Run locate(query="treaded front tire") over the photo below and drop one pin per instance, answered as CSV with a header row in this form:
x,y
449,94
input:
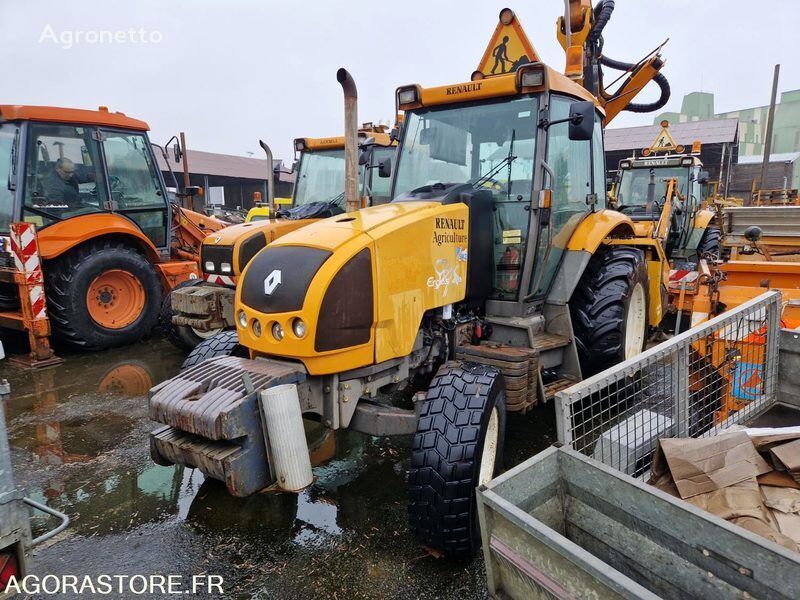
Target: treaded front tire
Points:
x,y
601,305
710,243
225,343
465,401
68,279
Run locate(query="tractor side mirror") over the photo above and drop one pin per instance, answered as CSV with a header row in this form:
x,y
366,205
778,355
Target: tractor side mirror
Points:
x,y
192,190
177,152
385,167
365,157
295,166
581,121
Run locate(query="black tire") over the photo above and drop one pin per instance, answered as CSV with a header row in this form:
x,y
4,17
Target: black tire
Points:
x,y
225,343
184,338
600,305
9,296
710,243
446,456
67,281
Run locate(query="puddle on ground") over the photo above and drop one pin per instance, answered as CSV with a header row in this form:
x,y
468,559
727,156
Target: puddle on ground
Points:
x,y
79,438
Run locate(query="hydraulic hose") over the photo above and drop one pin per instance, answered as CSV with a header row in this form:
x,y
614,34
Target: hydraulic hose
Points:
x,y
602,15
660,80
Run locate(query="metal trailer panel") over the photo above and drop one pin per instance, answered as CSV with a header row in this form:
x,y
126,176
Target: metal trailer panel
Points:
x,y
563,525
789,368
774,221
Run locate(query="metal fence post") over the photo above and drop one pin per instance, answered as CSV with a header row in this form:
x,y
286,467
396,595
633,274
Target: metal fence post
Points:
x,y
680,389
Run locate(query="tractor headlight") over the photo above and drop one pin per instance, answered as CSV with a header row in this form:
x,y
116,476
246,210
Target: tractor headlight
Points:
x,y
277,331
299,327
256,327
532,78
241,317
225,267
210,265
407,95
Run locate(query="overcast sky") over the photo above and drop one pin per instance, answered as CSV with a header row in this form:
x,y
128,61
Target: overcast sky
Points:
x,y
229,72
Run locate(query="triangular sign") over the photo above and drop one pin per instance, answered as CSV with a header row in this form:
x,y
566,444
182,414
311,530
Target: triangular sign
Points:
x,y
664,141
508,49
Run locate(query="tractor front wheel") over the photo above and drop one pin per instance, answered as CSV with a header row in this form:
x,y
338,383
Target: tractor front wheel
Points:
x,y
710,243
101,295
610,308
225,343
458,446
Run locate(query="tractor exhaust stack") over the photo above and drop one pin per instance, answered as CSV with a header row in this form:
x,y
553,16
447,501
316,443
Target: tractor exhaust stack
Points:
x,y
352,200
270,179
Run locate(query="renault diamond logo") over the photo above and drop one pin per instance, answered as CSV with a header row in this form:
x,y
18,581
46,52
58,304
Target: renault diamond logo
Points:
x,y
272,281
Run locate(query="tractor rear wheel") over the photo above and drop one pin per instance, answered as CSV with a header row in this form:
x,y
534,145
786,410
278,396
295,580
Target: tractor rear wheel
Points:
x,y
182,336
609,308
225,343
102,294
457,447
710,243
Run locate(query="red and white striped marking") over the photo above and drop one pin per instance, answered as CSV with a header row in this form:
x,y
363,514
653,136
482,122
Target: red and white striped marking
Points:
x,y
25,248
682,276
225,280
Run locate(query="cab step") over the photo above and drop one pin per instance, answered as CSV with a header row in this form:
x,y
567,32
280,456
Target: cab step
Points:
x,y
552,388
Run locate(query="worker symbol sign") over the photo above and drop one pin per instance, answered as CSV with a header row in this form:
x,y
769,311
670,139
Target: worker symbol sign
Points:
x,y
508,49
748,382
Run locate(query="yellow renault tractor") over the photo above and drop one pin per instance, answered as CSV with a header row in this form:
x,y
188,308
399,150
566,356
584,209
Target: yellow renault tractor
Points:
x,y
200,308
495,276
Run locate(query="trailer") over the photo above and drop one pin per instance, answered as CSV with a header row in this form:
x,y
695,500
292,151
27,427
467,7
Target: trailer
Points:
x,y
581,521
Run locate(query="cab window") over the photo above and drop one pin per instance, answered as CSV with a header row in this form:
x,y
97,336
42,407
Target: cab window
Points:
x,y
9,144
380,187
64,176
571,162
135,184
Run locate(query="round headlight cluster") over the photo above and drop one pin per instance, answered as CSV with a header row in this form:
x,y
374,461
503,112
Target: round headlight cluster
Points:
x,y
299,328
256,328
277,331
241,318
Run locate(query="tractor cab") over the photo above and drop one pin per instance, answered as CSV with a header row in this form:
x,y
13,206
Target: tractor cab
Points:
x,y
60,164
641,184
514,142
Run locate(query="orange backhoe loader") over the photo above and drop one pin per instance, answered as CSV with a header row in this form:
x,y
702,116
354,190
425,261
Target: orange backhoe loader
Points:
x,y
89,222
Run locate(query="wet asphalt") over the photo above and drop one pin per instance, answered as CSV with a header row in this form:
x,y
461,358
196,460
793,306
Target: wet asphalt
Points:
x,y
79,441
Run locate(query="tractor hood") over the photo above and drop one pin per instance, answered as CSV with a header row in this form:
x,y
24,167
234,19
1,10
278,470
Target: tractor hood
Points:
x,y
351,290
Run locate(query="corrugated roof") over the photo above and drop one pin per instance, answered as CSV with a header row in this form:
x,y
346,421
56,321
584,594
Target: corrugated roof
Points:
x,y
773,158
716,131
222,165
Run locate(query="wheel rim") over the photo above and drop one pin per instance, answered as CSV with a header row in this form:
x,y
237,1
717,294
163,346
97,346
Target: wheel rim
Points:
x,y
635,323
127,380
115,299
489,454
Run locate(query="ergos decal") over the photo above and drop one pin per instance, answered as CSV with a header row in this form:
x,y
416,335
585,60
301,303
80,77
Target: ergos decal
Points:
x,y
446,274
464,88
449,231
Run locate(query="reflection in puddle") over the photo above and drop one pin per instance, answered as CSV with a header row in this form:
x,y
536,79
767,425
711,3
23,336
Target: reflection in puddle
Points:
x,y
315,517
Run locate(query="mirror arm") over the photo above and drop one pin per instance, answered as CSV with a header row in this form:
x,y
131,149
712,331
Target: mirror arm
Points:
x,y
545,123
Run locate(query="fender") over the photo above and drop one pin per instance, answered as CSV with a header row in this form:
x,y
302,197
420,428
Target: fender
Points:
x,y
703,219
60,237
596,227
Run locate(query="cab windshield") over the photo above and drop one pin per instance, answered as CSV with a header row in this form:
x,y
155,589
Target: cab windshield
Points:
x,y
320,178
490,146
632,194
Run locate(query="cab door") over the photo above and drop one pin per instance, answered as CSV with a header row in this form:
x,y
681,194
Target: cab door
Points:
x,y
135,183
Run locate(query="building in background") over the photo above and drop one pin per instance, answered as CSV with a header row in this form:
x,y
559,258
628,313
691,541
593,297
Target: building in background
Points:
x,y
699,106
228,180
783,173
719,139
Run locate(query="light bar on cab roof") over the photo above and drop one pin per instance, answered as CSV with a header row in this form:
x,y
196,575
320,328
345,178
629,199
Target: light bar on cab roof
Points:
x,y
529,76
687,162
407,95
299,145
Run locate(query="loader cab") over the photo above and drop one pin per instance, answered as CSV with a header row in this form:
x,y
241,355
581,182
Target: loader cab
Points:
x,y
59,164
507,137
640,185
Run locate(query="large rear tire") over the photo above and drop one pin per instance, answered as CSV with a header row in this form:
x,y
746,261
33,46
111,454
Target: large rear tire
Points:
x,y
610,307
225,343
101,295
457,447
183,337
710,243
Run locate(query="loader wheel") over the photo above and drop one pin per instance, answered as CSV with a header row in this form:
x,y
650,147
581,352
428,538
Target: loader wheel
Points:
x,y
609,308
225,343
710,243
102,294
9,296
184,337
458,446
